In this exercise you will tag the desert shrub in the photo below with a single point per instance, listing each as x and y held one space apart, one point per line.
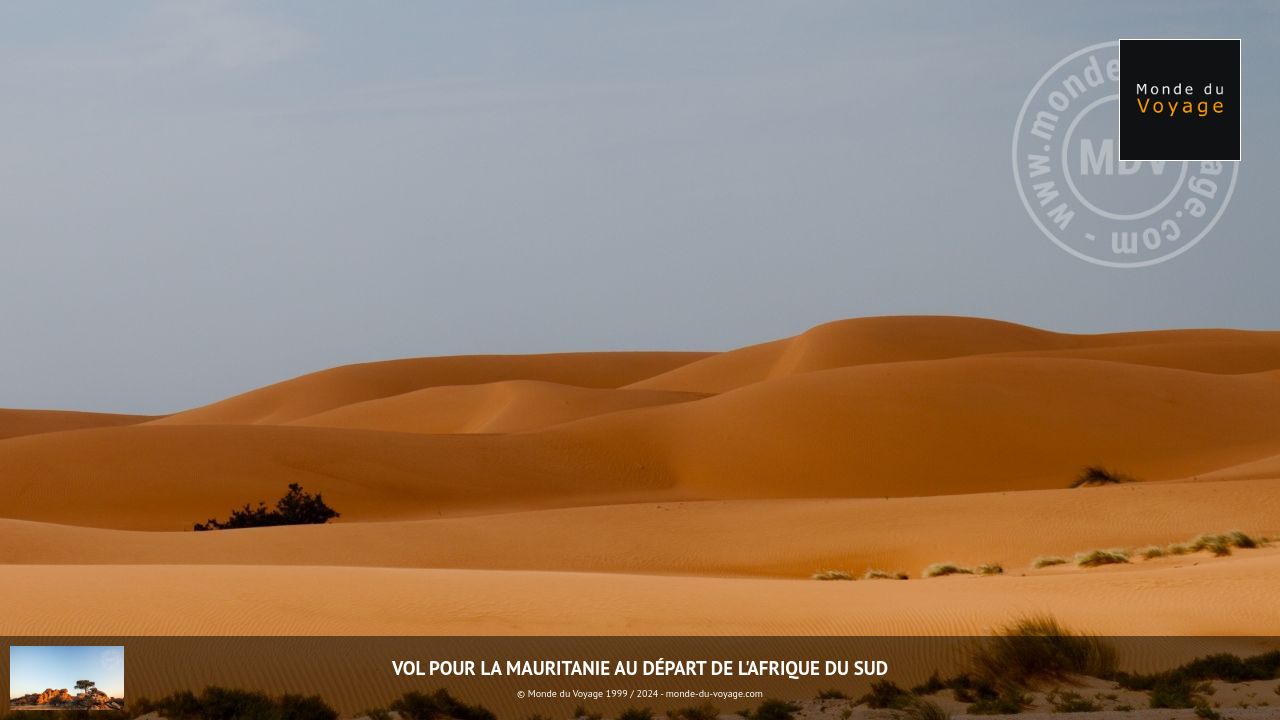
1096 558
1064 701
437 705
636 714
1045 561
695 712
378 714
1173 691
1151 552
1219 545
1232 668
1178 549
832 694
224 704
990 569
1039 648
946 568
295 508
876 574
217 703
305 707
1094 475
1207 713
886 694
1009 702
582 713
1242 540
775 710
832 575
931 686
926 710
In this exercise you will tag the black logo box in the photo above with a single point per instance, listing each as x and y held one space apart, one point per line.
1186 66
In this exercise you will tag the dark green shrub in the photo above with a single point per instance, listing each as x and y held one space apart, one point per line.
1173 691
1009 702
1039 648
1094 475
437 706
886 694
310 707
933 685
775 710
832 694
925 710
295 508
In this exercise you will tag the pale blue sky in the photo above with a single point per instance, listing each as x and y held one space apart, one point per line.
203 197
36 668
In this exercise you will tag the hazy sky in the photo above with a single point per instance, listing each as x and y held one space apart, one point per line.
34 668
203 197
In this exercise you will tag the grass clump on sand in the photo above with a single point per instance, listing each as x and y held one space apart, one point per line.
775 710
1039 648
925 710
886 695
1065 701
832 575
1096 475
1219 545
634 713
832 694
1045 561
989 569
876 574
427 706
943 569
1151 552
220 702
1097 558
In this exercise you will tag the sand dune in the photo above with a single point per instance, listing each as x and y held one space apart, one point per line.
502 407
966 425
865 341
648 493
943 427
167 477
267 600
710 538
328 389
17 423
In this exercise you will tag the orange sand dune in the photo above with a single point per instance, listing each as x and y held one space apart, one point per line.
328 389
943 427
275 600
1228 357
16 423
502 407
962 425
165 477
651 493
865 341
767 538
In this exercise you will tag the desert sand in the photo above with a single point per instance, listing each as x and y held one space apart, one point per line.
673 493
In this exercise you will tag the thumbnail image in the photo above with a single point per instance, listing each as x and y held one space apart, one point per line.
66 677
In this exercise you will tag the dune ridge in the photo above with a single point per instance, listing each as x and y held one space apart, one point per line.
532 492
